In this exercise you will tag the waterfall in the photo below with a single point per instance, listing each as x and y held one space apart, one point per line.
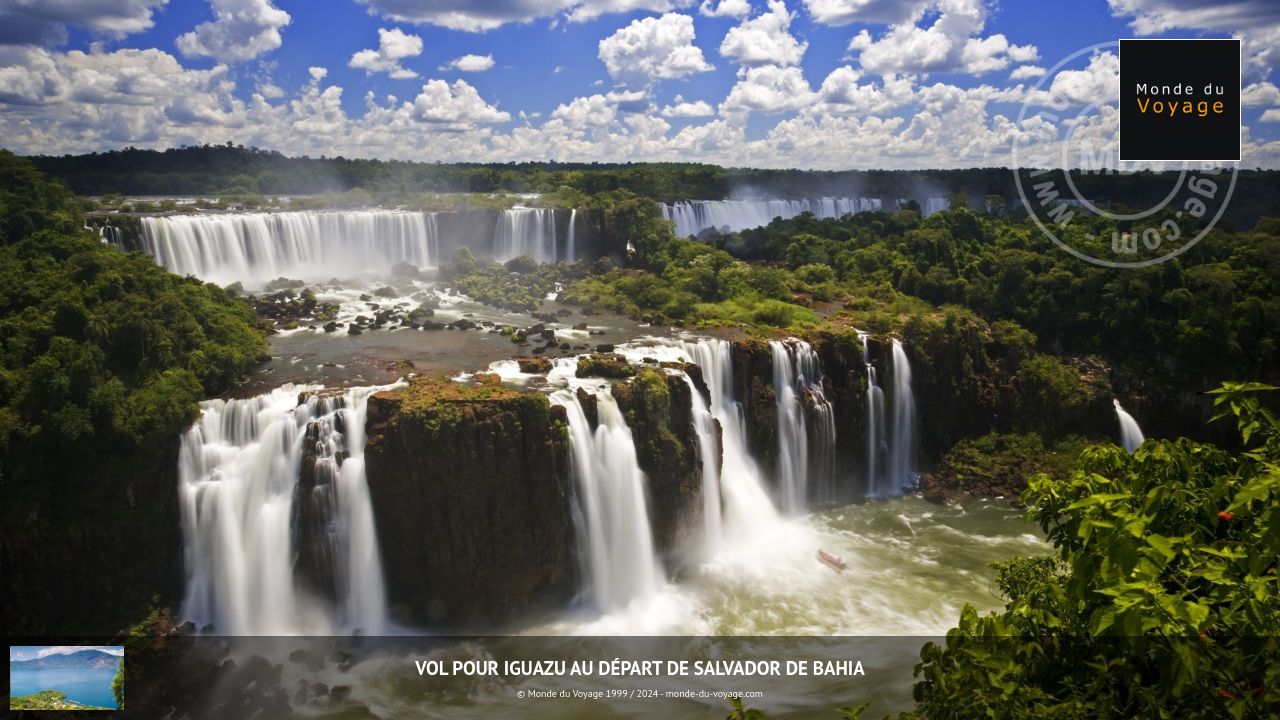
256 247
525 231
704 425
746 504
797 380
902 448
933 205
694 216
571 247
617 539
1130 433
238 486
875 420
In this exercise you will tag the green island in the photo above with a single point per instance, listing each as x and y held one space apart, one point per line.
48 700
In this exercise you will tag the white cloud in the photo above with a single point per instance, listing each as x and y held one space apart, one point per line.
1271 115
842 94
1256 22
586 111
765 39
843 12
69 649
241 30
767 89
650 49
725 8
951 44
317 73
1258 94
1026 72
470 63
479 16
682 108
24 22
459 105
394 45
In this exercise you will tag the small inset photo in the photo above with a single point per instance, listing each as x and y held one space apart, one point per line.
66 677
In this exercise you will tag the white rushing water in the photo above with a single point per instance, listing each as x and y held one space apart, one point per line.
797 383
746 504
890 441
611 491
694 216
571 246
525 231
238 475
256 247
902 449
1131 436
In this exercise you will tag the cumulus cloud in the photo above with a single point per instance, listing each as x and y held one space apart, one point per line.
952 43
682 108
470 63
457 106
240 30
725 8
1271 115
1257 94
23 22
1256 22
650 49
844 12
394 45
1026 72
473 16
767 89
765 40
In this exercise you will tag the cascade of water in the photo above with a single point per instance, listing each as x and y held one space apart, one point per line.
617 540
571 249
747 506
238 474
525 231
875 420
933 205
902 450
793 445
693 216
797 382
256 247
704 425
1130 433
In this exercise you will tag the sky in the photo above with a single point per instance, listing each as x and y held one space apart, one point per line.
34 652
826 84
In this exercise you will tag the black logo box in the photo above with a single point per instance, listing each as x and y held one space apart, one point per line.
1180 64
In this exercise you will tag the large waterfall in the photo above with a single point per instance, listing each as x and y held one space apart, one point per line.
746 504
694 216
1131 436
571 245
797 383
902 450
616 535
261 547
525 231
891 446
256 247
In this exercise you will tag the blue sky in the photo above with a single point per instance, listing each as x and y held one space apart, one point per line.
32 652
793 83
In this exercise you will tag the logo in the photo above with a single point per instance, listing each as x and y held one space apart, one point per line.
1101 209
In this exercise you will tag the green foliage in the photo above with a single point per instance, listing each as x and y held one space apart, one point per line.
48 700
1163 600
118 684
1001 463
102 352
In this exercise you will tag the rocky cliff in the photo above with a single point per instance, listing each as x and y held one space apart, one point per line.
659 410
470 488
